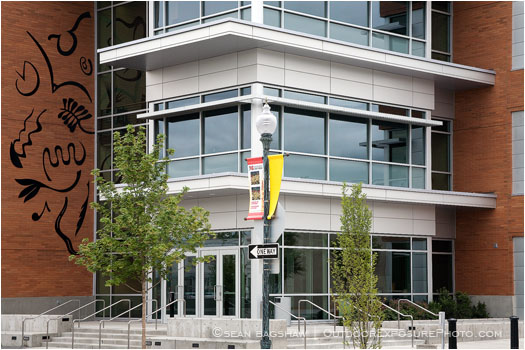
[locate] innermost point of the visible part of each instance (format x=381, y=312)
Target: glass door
x=219, y=292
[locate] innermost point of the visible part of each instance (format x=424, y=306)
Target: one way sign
x=263, y=251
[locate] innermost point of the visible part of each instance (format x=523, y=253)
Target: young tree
x=148, y=230
x=352, y=267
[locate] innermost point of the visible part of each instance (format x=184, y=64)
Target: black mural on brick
x=75, y=117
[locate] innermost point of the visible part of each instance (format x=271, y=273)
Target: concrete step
x=67, y=345
x=94, y=340
x=122, y=330
x=106, y=335
x=313, y=344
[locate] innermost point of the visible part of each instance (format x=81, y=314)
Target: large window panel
x=440, y=32
x=349, y=34
x=353, y=12
x=390, y=42
x=348, y=137
x=220, y=130
x=181, y=11
x=304, y=272
x=440, y=152
x=182, y=168
x=304, y=131
x=183, y=135
x=390, y=16
x=246, y=135
x=104, y=94
x=393, y=272
x=104, y=150
x=304, y=24
x=220, y=164
x=104, y=28
x=418, y=19
x=305, y=239
x=418, y=145
x=349, y=171
x=442, y=272
x=389, y=142
x=389, y=175
x=419, y=273
x=441, y=182
x=211, y=7
x=305, y=167
x=129, y=90
x=315, y=8
x=418, y=178
x=129, y=22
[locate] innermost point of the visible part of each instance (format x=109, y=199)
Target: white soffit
x=234, y=184
x=290, y=103
x=232, y=35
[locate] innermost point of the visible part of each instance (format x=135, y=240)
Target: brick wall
x=483, y=149
x=46, y=169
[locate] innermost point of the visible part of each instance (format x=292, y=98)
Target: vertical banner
x=256, y=178
x=276, y=163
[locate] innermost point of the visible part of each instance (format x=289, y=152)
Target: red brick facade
x=47, y=145
x=483, y=149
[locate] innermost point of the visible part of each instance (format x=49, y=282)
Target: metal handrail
x=411, y=302
x=101, y=323
x=56, y=318
x=320, y=308
x=43, y=313
x=399, y=313
x=85, y=318
x=298, y=318
x=154, y=312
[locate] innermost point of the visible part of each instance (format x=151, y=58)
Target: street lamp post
x=266, y=124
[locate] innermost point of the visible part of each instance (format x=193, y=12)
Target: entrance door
x=219, y=286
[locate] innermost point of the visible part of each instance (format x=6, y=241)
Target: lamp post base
x=266, y=343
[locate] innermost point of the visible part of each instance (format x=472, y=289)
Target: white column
x=257, y=11
x=257, y=232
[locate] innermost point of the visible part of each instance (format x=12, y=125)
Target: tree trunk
x=144, y=307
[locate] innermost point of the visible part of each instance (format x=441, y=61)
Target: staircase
x=114, y=336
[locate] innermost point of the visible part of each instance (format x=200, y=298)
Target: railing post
x=442, y=324
x=172, y=306
x=452, y=338
x=514, y=339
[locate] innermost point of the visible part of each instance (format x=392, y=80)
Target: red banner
x=256, y=178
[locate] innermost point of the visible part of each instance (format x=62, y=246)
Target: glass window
x=220, y=130
x=246, y=14
x=309, y=311
x=182, y=168
x=246, y=91
x=129, y=90
x=393, y=272
x=348, y=137
x=389, y=142
x=390, y=43
x=216, y=18
x=418, y=19
x=104, y=28
x=390, y=16
x=418, y=145
x=386, y=242
x=304, y=131
x=244, y=163
x=181, y=11
x=440, y=152
x=305, y=167
x=418, y=178
x=419, y=243
x=315, y=8
x=419, y=273
x=304, y=97
x=442, y=276
x=441, y=6
x=183, y=135
x=389, y=175
x=390, y=110
x=272, y=17
x=183, y=102
x=441, y=182
x=349, y=103
x=104, y=123
x=223, y=239
x=349, y=34
x=158, y=14
x=441, y=57
x=123, y=120
x=276, y=137
x=442, y=246
x=445, y=127
x=304, y=272
x=246, y=136
x=211, y=7
x=129, y=22
x=304, y=24
x=418, y=48
x=305, y=239
x=104, y=94
x=440, y=32
x=104, y=150
x=220, y=164
x=220, y=95
x=273, y=3
x=353, y=12
x=349, y=171
x=272, y=91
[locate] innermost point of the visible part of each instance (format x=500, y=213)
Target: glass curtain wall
x=397, y=26
x=442, y=30
x=442, y=156
x=121, y=95
x=402, y=269
x=169, y=16
x=443, y=266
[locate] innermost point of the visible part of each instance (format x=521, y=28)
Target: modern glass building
x=419, y=101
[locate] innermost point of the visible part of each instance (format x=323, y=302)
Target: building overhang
x=227, y=184
x=233, y=35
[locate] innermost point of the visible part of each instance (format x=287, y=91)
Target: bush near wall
x=458, y=306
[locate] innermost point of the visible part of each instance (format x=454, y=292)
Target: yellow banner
x=276, y=173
